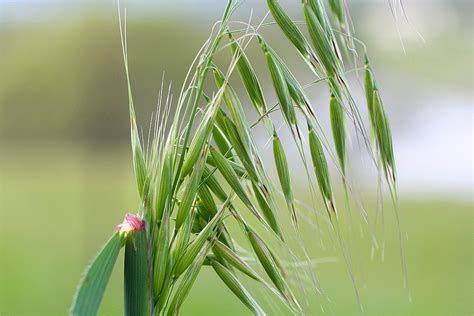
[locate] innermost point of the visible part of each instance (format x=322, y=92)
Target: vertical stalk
x=136, y=280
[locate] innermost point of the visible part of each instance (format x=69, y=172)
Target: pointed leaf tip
x=91, y=289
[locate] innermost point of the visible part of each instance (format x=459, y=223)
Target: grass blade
x=92, y=286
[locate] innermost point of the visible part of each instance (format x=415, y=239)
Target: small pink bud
x=131, y=223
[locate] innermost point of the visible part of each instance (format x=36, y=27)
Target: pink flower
x=131, y=223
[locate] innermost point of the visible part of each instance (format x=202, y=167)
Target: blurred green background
x=65, y=168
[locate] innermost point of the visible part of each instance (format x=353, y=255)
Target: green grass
x=59, y=204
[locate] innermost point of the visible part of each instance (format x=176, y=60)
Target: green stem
x=136, y=276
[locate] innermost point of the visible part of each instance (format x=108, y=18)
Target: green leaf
x=136, y=281
x=92, y=286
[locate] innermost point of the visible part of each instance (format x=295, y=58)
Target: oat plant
x=207, y=200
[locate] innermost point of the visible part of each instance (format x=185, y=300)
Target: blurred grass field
x=58, y=205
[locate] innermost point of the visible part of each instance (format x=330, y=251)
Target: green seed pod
x=186, y=284
x=320, y=13
x=182, y=238
x=161, y=254
x=233, y=180
x=197, y=144
x=236, y=287
x=240, y=128
x=161, y=195
x=325, y=50
x=220, y=118
x=210, y=180
x=207, y=201
x=201, y=136
x=223, y=252
x=337, y=8
x=321, y=168
x=221, y=142
x=384, y=136
x=248, y=77
x=289, y=28
x=190, y=191
x=139, y=163
x=294, y=87
x=379, y=123
x=197, y=244
x=338, y=130
x=369, y=92
x=241, y=149
x=266, y=210
x=268, y=261
x=237, y=166
x=283, y=174
x=280, y=85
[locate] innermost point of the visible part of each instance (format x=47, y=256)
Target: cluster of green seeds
x=204, y=174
